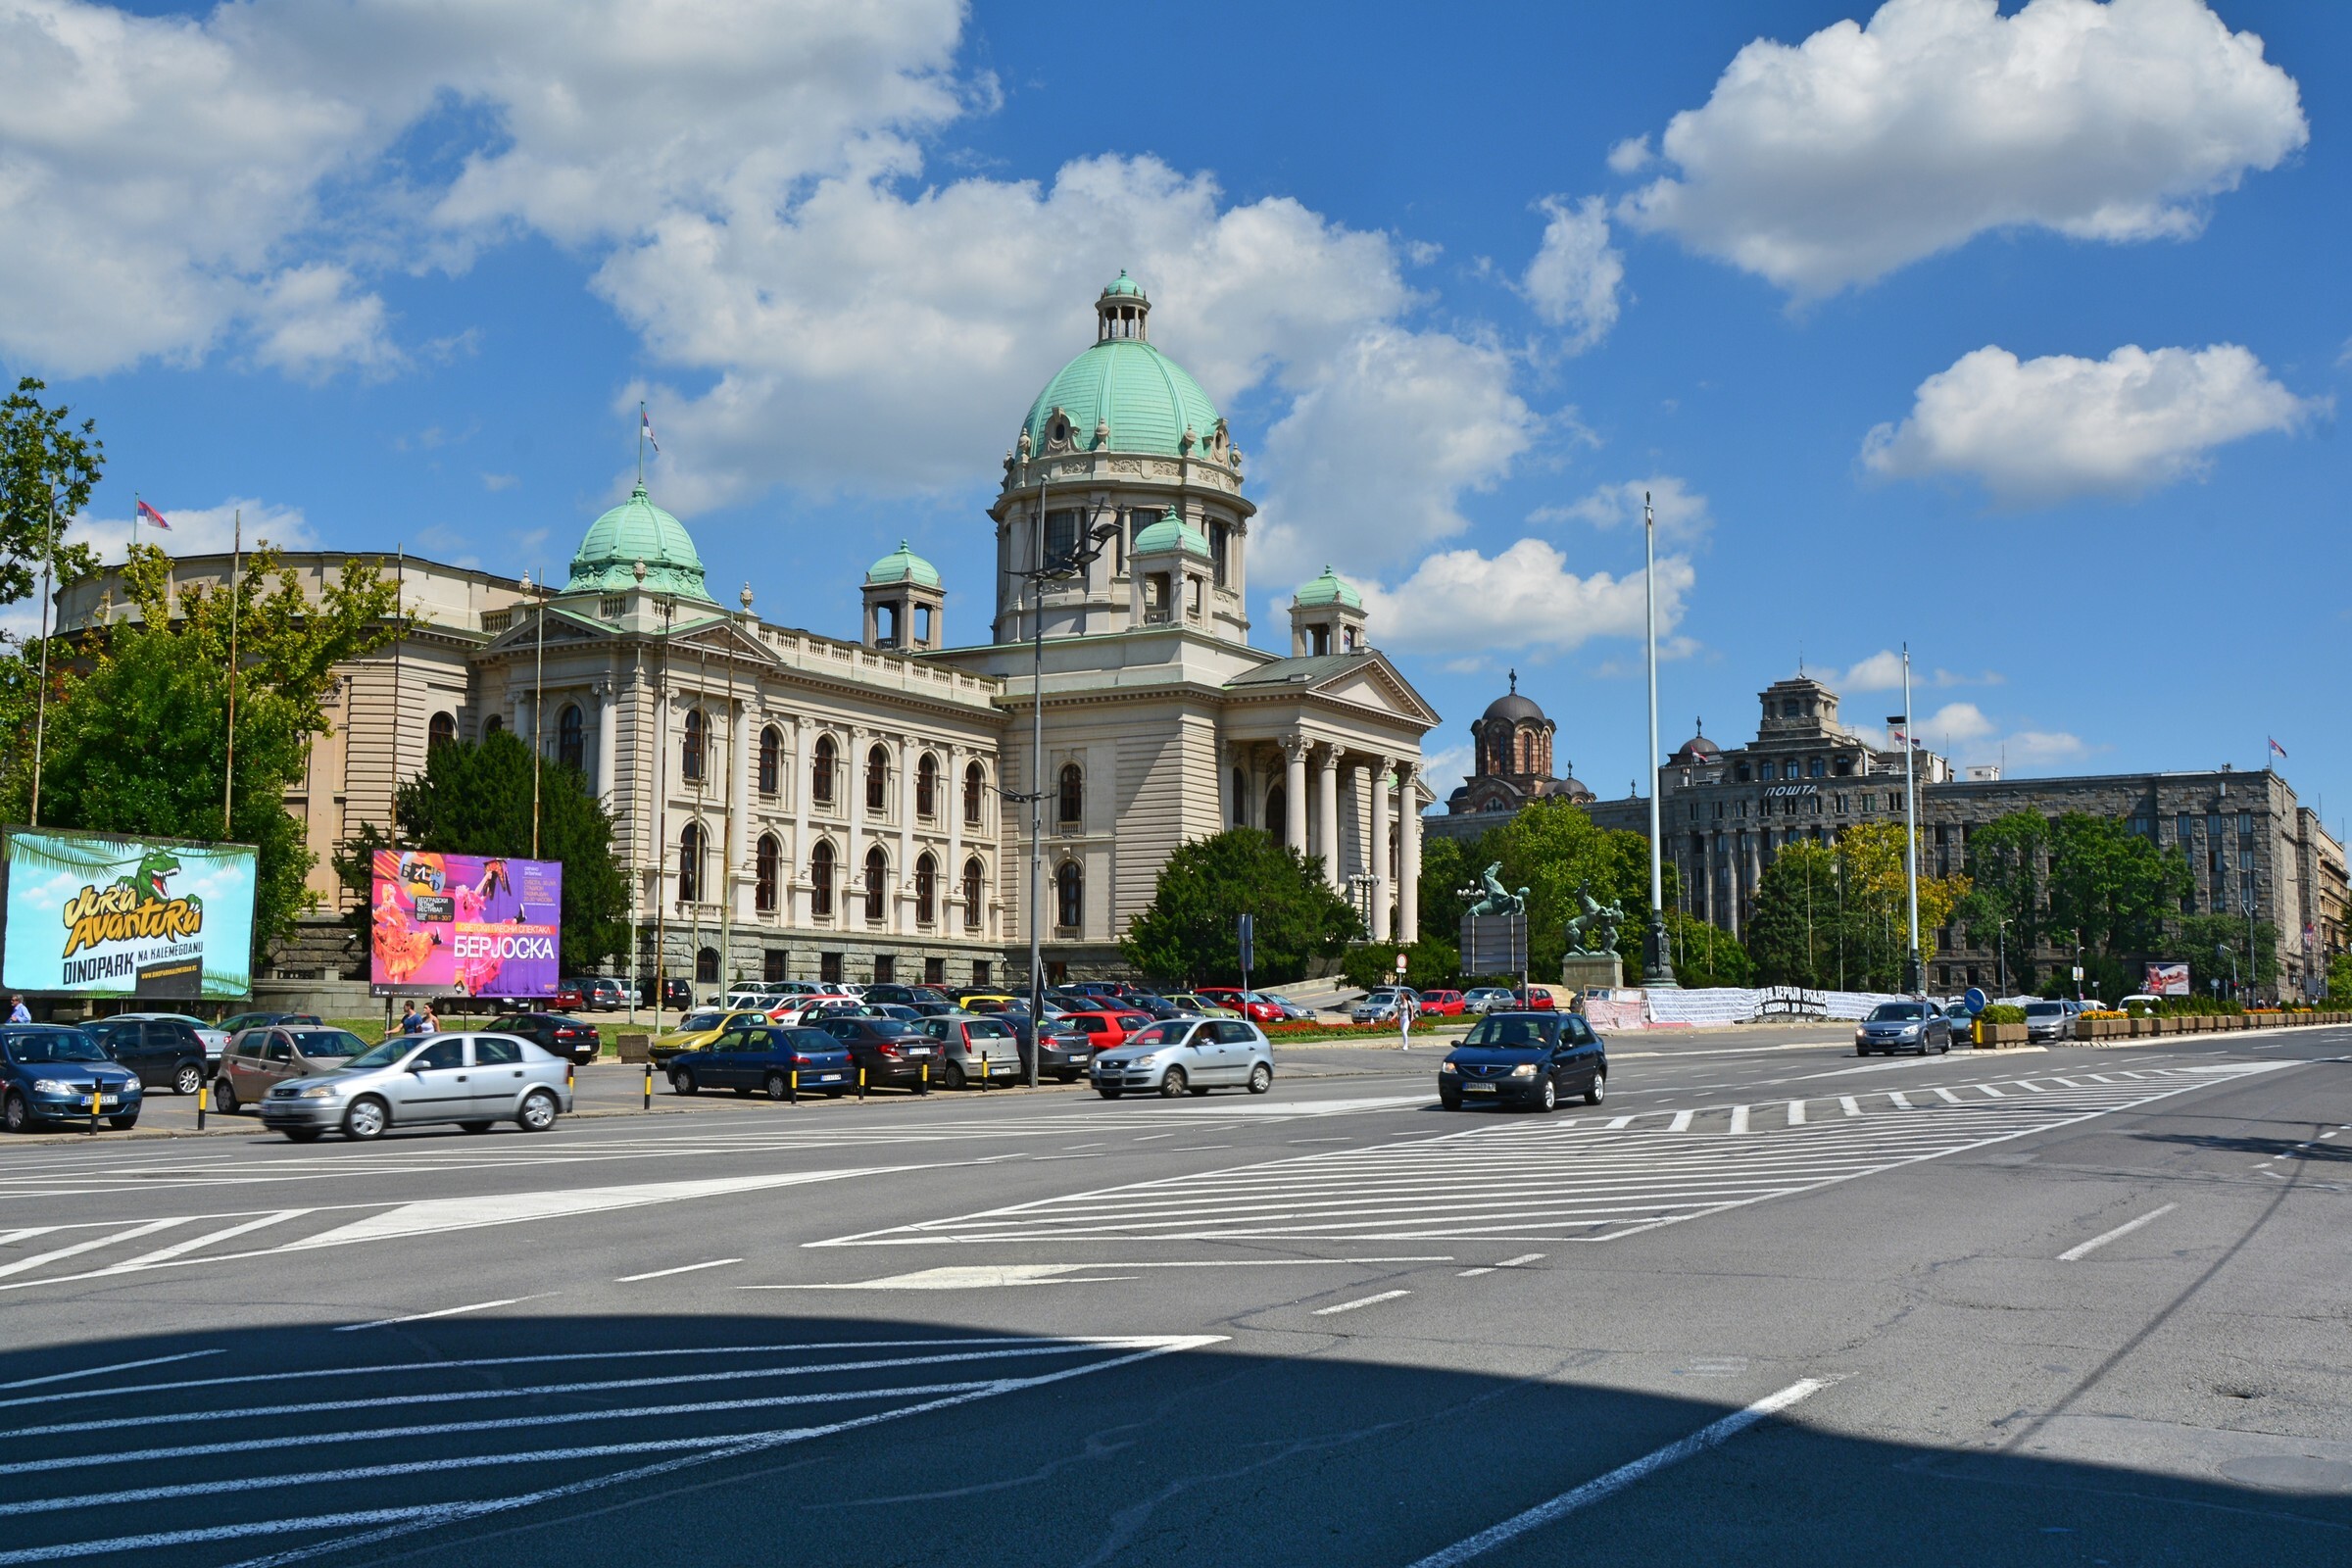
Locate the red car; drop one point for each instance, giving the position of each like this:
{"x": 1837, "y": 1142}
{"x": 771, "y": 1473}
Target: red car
{"x": 1441, "y": 1003}
{"x": 1534, "y": 999}
{"x": 1245, "y": 1002}
{"x": 567, "y": 999}
{"x": 1102, "y": 1030}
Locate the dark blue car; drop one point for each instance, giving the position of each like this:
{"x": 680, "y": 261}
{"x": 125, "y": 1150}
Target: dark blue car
{"x": 763, "y": 1060}
{"x": 48, "y": 1073}
{"x": 1535, "y": 1059}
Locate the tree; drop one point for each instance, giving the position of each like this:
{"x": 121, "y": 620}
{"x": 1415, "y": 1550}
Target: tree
{"x": 475, "y": 799}
{"x": 2215, "y": 947}
{"x": 138, "y": 741}
{"x": 48, "y": 466}
{"x": 1706, "y": 954}
{"x": 1191, "y": 930}
{"x": 1551, "y": 849}
{"x": 2339, "y": 978}
{"x": 1795, "y": 932}
{"x": 2110, "y": 889}
{"x": 1837, "y": 917}
{"x": 2005, "y": 899}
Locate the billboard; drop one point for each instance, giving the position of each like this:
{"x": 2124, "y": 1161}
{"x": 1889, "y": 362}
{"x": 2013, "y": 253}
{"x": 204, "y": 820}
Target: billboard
{"x": 463, "y": 924}
{"x": 2167, "y": 980}
{"x": 94, "y": 915}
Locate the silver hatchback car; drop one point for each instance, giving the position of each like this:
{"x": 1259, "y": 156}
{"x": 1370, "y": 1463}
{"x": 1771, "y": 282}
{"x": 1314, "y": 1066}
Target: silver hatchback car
{"x": 1181, "y": 1054}
{"x": 473, "y": 1080}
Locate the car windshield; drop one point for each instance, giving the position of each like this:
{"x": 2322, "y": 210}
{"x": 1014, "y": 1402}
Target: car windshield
{"x": 390, "y": 1052}
{"x": 328, "y": 1042}
{"x": 1896, "y": 1012}
{"x": 701, "y": 1020}
{"x": 891, "y": 1026}
{"x": 66, "y": 1045}
{"x": 2045, "y": 1009}
{"x": 1511, "y": 1029}
{"x": 1162, "y": 1034}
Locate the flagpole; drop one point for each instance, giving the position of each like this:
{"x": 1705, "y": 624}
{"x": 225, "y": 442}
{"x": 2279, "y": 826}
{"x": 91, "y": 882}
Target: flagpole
{"x": 538, "y": 703}
{"x": 40, "y": 707}
{"x": 228, "y": 778}
{"x": 1915, "y": 980}
{"x": 641, "y": 417}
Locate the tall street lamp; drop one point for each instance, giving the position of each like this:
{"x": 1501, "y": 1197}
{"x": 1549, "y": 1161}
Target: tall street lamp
{"x": 1657, "y": 963}
{"x": 1914, "y": 975}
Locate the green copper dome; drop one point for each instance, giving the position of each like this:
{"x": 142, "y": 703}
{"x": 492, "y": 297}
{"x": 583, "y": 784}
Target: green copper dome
{"x": 637, "y": 530}
{"x": 904, "y": 566}
{"x": 1123, "y": 285}
{"x": 1328, "y": 590}
{"x": 1147, "y": 399}
{"x": 1171, "y": 532}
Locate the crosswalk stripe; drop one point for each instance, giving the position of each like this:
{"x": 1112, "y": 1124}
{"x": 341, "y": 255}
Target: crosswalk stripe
{"x": 22, "y": 1264}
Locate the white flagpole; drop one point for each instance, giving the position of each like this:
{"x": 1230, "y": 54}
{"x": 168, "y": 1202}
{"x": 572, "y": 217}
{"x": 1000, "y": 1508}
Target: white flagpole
{"x": 228, "y": 778}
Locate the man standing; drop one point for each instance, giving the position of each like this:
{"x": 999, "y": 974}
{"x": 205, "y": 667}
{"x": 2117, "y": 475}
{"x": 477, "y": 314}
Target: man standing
{"x": 17, "y": 1012}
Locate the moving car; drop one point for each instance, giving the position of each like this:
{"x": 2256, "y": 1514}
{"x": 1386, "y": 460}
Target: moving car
{"x": 552, "y": 1033}
{"x": 475, "y": 1080}
{"x": 164, "y": 1052}
{"x": 1186, "y": 1056}
{"x": 973, "y": 1049}
{"x": 259, "y": 1059}
{"x": 1485, "y": 999}
{"x": 1527, "y": 1059}
{"x": 48, "y": 1073}
{"x": 214, "y": 1037}
{"x": 1893, "y": 1026}
{"x": 765, "y": 1057}
{"x": 2049, "y": 1020}
{"x": 887, "y": 1051}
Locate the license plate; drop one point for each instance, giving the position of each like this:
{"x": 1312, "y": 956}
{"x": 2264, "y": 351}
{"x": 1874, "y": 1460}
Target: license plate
{"x": 1478, "y": 1089}
{"x": 109, "y": 1100}
{"x": 920, "y": 1050}
{"x": 828, "y": 1077}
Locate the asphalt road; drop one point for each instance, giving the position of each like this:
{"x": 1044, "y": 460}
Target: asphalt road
{"x": 1768, "y": 1303}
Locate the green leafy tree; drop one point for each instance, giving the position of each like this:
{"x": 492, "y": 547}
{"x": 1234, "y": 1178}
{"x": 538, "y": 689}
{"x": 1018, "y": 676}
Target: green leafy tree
{"x": 1795, "y": 932}
{"x": 48, "y": 466}
{"x": 2004, "y": 907}
{"x": 1706, "y": 954}
{"x": 2340, "y": 979}
{"x": 1551, "y": 849}
{"x": 2211, "y": 943}
{"x": 1192, "y": 929}
{"x": 2111, "y": 889}
{"x": 475, "y": 799}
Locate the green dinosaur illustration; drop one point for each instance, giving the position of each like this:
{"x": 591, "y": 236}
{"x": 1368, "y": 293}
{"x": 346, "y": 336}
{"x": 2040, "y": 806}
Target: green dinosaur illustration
{"x": 151, "y": 882}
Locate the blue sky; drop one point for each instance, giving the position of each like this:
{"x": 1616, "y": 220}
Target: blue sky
{"x": 2009, "y": 332}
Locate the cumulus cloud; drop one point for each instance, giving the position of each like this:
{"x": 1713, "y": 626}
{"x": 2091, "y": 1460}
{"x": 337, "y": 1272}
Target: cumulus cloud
{"x": 1455, "y": 598}
{"x": 1955, "y": 721}
{"x": 1573, "y": 282}
{"x": 2041, "y": 746}
{"x": 1883, "y": 671}
{"x": 1681, "y": 512}
{"x": 1831, "y": 163}
{"x": 2051, "y": 429}
{"x": 198, "y": 530}
{"x": 1629, "y": 156}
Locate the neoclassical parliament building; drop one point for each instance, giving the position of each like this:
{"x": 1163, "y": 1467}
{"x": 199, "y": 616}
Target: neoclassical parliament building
{"x": 796, "y": 805}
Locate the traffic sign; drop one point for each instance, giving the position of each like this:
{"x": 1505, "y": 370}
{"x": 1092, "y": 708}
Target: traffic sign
{"x": 1974, "y": 1000}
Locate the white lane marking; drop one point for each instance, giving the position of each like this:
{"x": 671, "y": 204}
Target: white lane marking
{"x": 447, "y": 1311}
{"x": 87, "y": 1373}
{"x": 997, "y": 1276}
{"x": 2030, "y": 1086}
{"x": 1616, "y": 1122}
{"x": 1948, "y": 1097}
{"x": 1186, "y": 1149}
{"x": 682, "y": 1268}
{"x": 1900, "y": 1101}
{"x": 1992, "y": 1092}
{"x": 27, "y": 1233}
{"x": 1350, "y": 1307}
{"x": 1521, "y": 1262}
{"x": 1042, "y": 1158}
{"x": 2069, "y": 1082}
{"x": 1090, "y": 1146}
{"x": 1624, "y": 1476}
{"x": 182, "y": 1249}
{"x": 1151, "y": 1137}
{"x": 2117, "y": 1234}
{"x": 1739, "y": 1118}
{"x": 90, "y": 1246}
{"x": 1797, "y": 1113}
{"x": 1681, "y": 1122}
{"x": 1850, "y": 1107}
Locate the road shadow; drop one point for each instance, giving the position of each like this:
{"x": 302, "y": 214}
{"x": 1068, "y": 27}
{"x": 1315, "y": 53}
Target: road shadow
{"x": 2313, "y": 1150}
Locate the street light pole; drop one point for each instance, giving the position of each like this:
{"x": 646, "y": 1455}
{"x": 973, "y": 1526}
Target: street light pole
{"x": 1914, "y": 975}
{"x": 1657, "y": 963}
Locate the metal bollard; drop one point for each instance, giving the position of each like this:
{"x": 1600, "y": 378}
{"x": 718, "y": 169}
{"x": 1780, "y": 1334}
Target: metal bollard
{"x": 203, "y": 1093}
{"x": 648, "y": 1083}
{"x": 792, "y": 1088}
{"x": 984, "y": 1071}
{"x": 861, "y": 1082}
{"x": 93, "y": 1126}
{"x": 922, "y": 1085}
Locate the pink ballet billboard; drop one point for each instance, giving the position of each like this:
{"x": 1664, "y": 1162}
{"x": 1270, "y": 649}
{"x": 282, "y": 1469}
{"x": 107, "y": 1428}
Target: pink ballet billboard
{"x": 465, "y": 925}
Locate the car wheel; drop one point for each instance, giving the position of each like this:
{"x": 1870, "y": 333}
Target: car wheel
{"x": 1599, "y": 1090}
{"x": 122, "y": 1124}
{"x": 1451, "y": 1101}
{"x": 1945, "y": 1049}
{"x": 1261, "y": 1078}
{"x": 18, "y": 1113}
{"x": 1108, "y": 1094}
{"x": 225, "y": 1097}
{"x": 538, "y": 1112}
{"x": 1196, "y": 1090}
{"x": 304, "y": 1135}
{"x": 1548, "y": 1098}
{"x": 681, "y": 1082}
{"x": 475, "y": 1126}
{"x": 367, "y": 1119}
{"x": 187, "y": 1078}
{"x": 952, "y": 1076}
{"x": 778, "y": 1086}
{"x": 1172, "y": 1083}
{"x": 1065, "y": 1077}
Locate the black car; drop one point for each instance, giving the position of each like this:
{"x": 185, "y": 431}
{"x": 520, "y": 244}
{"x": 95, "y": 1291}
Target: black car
{"x": 165, "y": 1055}
{"x": 675, "y": 992}
{"x": 1068, "y": 1051}
{"x": 1158, "y": 1007}
{"x": 1524, "y": 1058}
{"x": 765, "y": 1058}
{"x": 48, "y": 1073}
{"x": 240, "y": 1022}
{"x": 887, "y": 1051}
{"x": 906, "y": 996}
{"x": 554, "y": 1032}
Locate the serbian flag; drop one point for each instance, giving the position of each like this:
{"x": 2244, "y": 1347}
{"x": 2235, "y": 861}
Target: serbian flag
{"x": 645, "y": 424}
{"x": 154, "y": 519}
{"x": 2275, "y": 747}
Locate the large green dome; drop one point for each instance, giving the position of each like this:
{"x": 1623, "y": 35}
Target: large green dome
{"x": 638, "y": 530}
{"x": 1147, "y": 399}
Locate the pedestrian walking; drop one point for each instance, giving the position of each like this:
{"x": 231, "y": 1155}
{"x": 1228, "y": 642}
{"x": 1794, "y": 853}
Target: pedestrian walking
{"x": 17, "y": 1012}
{"x": 432, "y": 1020}
{"x": 410, "y": 1022}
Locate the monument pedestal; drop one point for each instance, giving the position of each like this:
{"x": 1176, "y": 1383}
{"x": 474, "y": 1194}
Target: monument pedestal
{"x": 1581, "y": 970}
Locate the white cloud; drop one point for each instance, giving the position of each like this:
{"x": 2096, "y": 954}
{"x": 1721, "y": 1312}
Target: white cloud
{"x": 1865, "y": 148}
{"x": 1456, "y": 598}
{"x": 1573, "y": 282}
{"x": 1955, "y": 721}
{"x": 312, "y": 323}
{"x": 1682, "y": 513}
{"x": 2051, "y": 429}
{"x": 198, "y": 530}
{"x": 1447, "y": 771}
{"x": 2039, "y": 747}
{"x": 1882, "y": 671}
{"x": 1629, "y": 156}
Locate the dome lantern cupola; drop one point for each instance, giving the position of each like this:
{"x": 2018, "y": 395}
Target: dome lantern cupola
{"x": 905, "y": 603}
{"x": 1327, "y": 616}
{"x": 1121, "y": 311}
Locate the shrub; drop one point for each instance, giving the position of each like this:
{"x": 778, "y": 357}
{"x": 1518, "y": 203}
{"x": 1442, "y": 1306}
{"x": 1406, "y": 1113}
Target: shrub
{"x": 2001, "y": 1013}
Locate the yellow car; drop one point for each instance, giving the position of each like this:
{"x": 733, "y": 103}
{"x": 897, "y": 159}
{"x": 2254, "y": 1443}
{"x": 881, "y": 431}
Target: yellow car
{"x": 988, "y": 1001}
{"x": 1198, "y": 1006}
{"x": 699, "y": 1028}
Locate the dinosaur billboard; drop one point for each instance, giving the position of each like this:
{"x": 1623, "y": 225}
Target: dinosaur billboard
{"x": 474, "y": 925}
{"x": 92, "y": 914}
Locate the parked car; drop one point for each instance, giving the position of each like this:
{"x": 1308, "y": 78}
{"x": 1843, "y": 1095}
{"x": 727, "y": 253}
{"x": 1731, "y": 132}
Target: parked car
{"x": 164, "y": 1052}
{"x": 1193, "y": 1004}
{"x": 1107, "y": 1029}
{"x": 698, "y": 1029}
{"x": 1159, "y": 1007}
{"x": 214, "y": 1038}
{"x": 764, "y": 1058}
{"x": 554, "y": 1032}
{"x": 1381, "y": 1007}
{"x": 1443, "y": 1004}
{"x": 2049, "y": 1020}
{"x": 1485, "y": 999}
{"x": 887, "y": 1051}
{"x": 1186, "y": 1056}
{"x": 1527, "y": 1059}
{"x": 1068, "y": 1053}
{"x": 475, "y": 1080}
{"x": 675, "y": 992}
{"x": 48, "y": 1073}
{"x": 569, "y": 998}
{"x": 1893, "y": 1027}
{"x": 259, "y": 1059}
{"x": 1250, "y": 1004}
{"x": 599, "y": 992}
{"x": 239, "y": 1024}
{"x": 902, "y": 1011}
{"x": 905, "y": 995}
{"x": 1535, "y": 999}
{"x": 972, "y": 1049}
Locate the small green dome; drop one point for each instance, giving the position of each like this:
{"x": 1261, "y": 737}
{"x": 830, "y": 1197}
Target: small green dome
{"x": 904, "y": 566}
{"x": 1171, "y": 532}
{"x": 637, "y": 530}
{"x": 1329, "y": 590}
{"x": 1122, "y": 284}
{"x": 1147, "y": 399}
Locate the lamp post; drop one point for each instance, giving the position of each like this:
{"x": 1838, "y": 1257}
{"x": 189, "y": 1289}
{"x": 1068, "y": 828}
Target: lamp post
{"x": 1657, "y": 963}
{"x": 1914, "y": 976}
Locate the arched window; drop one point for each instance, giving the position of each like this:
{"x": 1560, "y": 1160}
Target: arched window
{"x": 877, "y": 875}
{"x": 706, "y": 966}
{"x": 975, "y": 785}
{"x": 1069, "y": 896}
{"x": 1073, "y": 795}
{"x": 571, "y": 745}
{"x": 440, "y": 729}
{"x": 926, "y": 787}
{"x": 1240, "y": 799}
{"x": 690, "y": 755}
{"x": 877, "y": 780}
{"x": 1278, "y": 815}
{"x": 820, "y": 880}
{"x": 771, "y": 759}
{"x": 972, "y": 894}
{"x": 691, "y": 843}
{"x": 763, "y": 873}
{"x": 926, "y": 891}
{"x": 820, "y": 772}
{"x": 493, "y": 725}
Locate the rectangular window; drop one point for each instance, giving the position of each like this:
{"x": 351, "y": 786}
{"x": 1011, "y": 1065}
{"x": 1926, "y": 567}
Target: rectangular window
{"x": 1218, "y": 550}
{"x": 2245, "y": 824}
{"x": 886, "y": 969}
{"x": 2245, "y": 888}
{"x": 1718, "y": 810}
{"x": 935, "y": 971}
{"x": 773, "y": 963}
{"x": 1061, "y": 534}
{"x": 980, "y": 968}
{"x": 828, "y": 969}
{"x": 2245, "y": 857}
{"x": 2181, "y": 829}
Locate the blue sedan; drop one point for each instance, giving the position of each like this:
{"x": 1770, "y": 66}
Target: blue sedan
{"x": 765, "y": 1058}
{"x": 1533, "y": 1059}
{"x": 49, "y": 1073}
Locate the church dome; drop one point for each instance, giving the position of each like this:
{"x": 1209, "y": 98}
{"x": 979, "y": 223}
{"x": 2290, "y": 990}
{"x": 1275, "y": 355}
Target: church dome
{"x": 1697, "y": 749}
{"x": 636, "y": 531}
{"x": 903, "y": 565}
{"x": 1122, "y": 394}
{"x": 1513, "y": 707}
{"x": 1329, "y": 590}
{"x": 1171, "y": 532}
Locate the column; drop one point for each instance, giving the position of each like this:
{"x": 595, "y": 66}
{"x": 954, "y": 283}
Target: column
{"x": 851, "y": 910}
{"x": 791, "y": 897}
{"x": 902, "y": 903}
{"x": 1409, "y": 853}
{"x": 1384, "y": 774}
{"x": 739, "y": 808}
{"x": 950, "y": 875}
{"x": 1294, "y": 792}
{"x": 1327, "y": 814}
{"x": 608, "y": 744}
